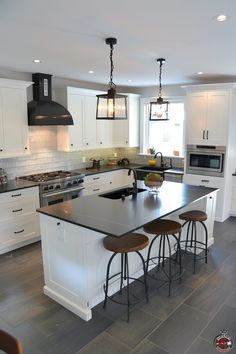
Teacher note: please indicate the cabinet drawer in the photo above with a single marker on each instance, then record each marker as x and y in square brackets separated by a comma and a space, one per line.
[200, 180]
[17, 209]
[18, 194]
[26, 228]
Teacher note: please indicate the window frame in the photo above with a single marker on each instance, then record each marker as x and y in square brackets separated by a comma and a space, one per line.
[144, 122]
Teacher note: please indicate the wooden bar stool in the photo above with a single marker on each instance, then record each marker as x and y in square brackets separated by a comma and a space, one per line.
[10, 344]
[192, 243]
[130, 242]
[165, 230]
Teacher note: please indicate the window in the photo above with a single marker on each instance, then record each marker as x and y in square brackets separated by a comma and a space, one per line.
[164, 136]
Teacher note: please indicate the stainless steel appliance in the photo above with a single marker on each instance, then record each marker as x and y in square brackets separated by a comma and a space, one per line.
[57, 186]
[205, 160]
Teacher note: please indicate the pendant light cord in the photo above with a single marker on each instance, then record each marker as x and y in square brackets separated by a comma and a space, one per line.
[111, 83]
[160, 86]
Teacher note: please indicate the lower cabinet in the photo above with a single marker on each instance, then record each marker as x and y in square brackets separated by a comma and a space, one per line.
[19, 221]
[102, 182]
[212, 182]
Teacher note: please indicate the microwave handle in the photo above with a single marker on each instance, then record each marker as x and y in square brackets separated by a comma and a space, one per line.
[203, 135]
[207, 134]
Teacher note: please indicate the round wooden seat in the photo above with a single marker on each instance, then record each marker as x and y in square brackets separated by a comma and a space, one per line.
[163, 227]
[193, 215]
[130, 242]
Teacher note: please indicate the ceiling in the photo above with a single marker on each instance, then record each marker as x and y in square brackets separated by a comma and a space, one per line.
[69, 37]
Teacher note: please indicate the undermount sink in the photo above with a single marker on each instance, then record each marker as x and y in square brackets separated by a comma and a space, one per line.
[121, 193]
[153, 168]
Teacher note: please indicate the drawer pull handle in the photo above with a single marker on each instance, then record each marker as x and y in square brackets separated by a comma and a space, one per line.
[19, 232]
[16, 210]
[16, 195]
[96, 178]
[205, 180]
[97, 189]
[58, 223]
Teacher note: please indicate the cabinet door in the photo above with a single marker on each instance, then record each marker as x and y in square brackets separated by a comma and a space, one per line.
[105, 133]
[89, 121]
[196, 118]
[217, 117]
[14, 120]
[75, 103]
[121, 133]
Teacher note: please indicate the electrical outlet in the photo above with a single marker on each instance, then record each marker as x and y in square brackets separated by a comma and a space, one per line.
[84, 159]
[115, 154]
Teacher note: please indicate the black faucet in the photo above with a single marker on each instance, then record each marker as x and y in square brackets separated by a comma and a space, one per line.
[135, 187]
[155, 156]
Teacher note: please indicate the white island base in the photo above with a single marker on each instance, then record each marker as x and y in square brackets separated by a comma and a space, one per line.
[75, 260]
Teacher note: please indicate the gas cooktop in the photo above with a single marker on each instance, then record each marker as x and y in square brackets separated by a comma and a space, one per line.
[49, 176]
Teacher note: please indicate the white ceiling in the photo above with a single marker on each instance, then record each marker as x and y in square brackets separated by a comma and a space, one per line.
[69, 37]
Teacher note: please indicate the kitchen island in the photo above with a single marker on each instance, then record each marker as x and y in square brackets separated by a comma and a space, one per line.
[72, 232]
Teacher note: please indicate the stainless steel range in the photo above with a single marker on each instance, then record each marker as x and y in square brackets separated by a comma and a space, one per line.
[57, 186]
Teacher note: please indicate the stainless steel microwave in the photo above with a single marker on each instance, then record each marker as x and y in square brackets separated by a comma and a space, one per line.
[205, 160]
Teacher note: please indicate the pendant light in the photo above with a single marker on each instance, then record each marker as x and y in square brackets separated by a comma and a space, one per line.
[111, 105]
[159, 108]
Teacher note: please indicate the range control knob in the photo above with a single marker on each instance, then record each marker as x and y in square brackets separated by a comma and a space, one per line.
[58, 186]
[75, 182]
[81, 181]
[45, 188]
[50, 187]
[69, 184]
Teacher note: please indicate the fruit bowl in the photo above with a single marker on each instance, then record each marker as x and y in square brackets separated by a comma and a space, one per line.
[152, 162]
[153, 181]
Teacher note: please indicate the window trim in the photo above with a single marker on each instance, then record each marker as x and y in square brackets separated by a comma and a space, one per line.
[144, 122]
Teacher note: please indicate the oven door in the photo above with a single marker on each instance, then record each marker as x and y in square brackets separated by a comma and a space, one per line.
[208, 163]
[47, 199]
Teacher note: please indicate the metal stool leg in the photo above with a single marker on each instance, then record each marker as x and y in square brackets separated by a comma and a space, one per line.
[194, 231]
[206, 240]
[107, 279]
[144, 275]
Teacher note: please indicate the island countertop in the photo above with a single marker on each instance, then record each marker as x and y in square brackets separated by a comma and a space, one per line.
[117, 217]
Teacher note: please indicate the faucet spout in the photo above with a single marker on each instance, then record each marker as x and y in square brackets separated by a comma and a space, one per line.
[162, 161]
[135, 186]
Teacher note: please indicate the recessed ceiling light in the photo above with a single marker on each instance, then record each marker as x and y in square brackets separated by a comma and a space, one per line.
[200, 72]
[91, 72]
[37, 61]
[221, 18]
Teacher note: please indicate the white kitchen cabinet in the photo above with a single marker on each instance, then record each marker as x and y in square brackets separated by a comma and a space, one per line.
[19, 221]
[233, 201]
[212, 182]
[81, 103]
[126, 132]
[105, 133]
[13, 118]
[207, 114]
[102, 182]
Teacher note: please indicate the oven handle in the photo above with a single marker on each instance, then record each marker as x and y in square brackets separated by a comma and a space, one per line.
[64, 191]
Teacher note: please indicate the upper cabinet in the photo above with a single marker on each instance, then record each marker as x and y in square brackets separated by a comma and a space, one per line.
[126, 132]
[89, 133]
[81, 103]
[207, 114]
[13, 118]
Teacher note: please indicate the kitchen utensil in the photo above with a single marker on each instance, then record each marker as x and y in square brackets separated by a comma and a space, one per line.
[96, 162]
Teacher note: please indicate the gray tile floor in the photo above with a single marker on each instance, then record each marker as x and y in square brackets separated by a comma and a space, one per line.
[185, 323]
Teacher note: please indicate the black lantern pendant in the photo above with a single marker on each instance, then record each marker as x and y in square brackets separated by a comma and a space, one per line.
[111, 105]
[159, 109]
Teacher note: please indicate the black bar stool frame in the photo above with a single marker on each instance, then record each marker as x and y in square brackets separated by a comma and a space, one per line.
[124, 273]
[193, 243]
[163, 257]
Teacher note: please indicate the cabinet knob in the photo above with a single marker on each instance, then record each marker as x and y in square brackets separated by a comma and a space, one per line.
[1, 149]
[26, 148]
[58, 223]
[86, 143]
[71, 144]
[126, 142]
[101, 142]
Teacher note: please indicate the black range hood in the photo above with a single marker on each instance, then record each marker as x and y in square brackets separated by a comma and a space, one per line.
[42, 110]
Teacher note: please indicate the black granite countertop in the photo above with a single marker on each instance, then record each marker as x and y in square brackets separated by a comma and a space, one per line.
[117, 217]
[15, 184]
[104, 168]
